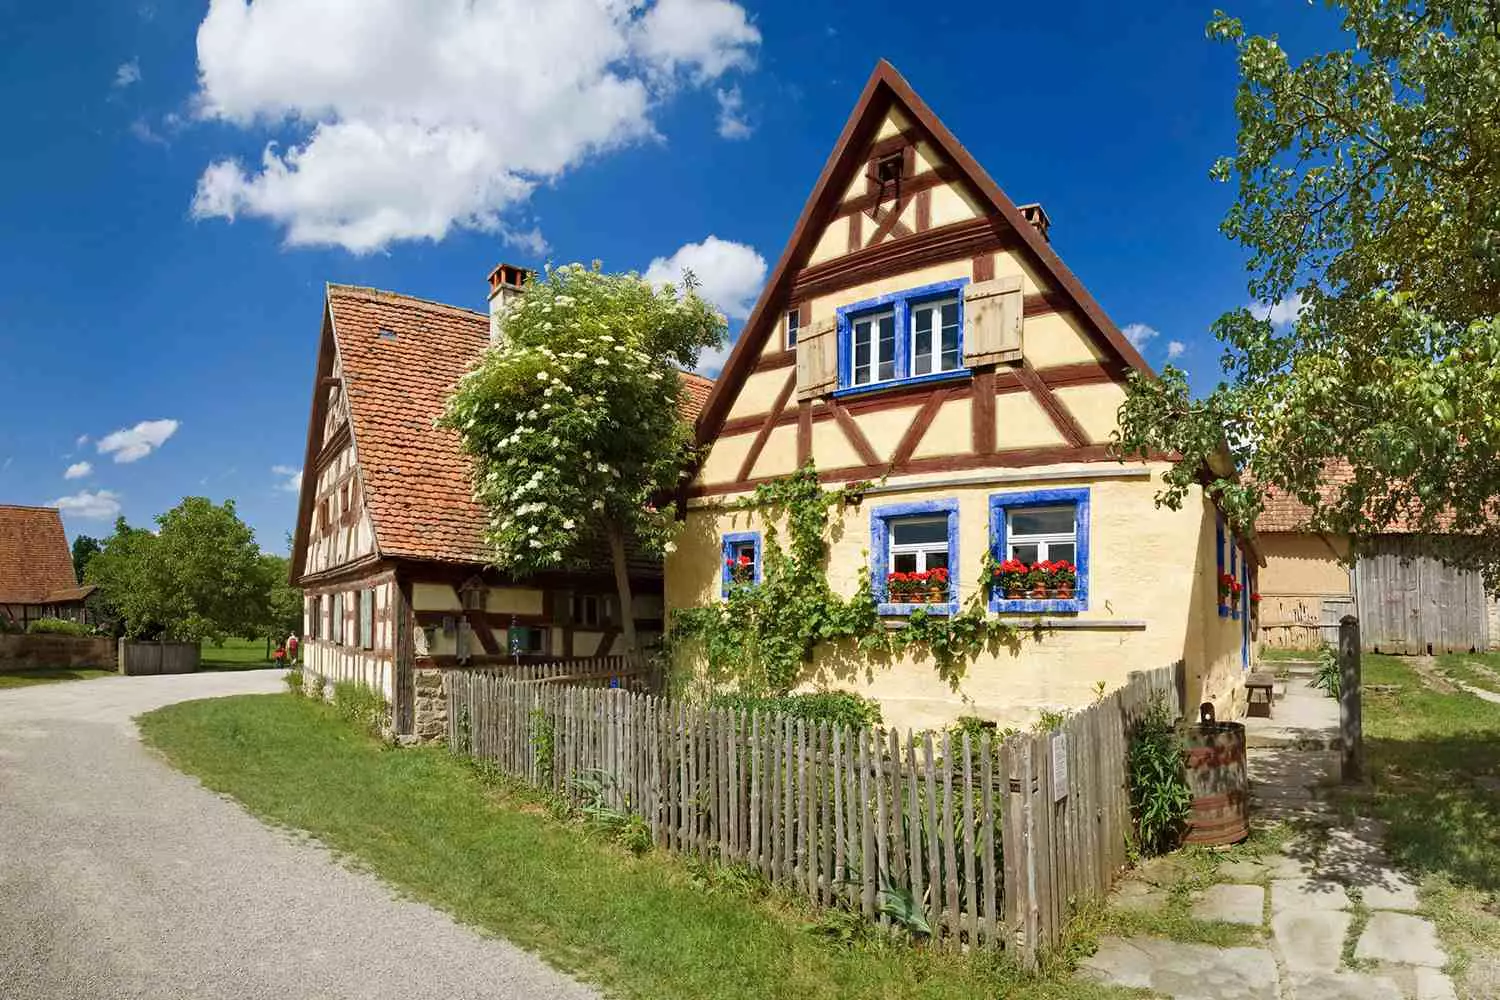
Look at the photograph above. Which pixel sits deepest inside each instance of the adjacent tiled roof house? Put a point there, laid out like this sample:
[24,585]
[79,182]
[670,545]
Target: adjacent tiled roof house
[36,567]
[388,531]
[1406,599]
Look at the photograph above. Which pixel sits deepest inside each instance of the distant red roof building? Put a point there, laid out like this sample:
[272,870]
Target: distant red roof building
[36,565]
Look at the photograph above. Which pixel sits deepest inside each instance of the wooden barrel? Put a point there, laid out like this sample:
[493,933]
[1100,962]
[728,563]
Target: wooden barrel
[1216,775]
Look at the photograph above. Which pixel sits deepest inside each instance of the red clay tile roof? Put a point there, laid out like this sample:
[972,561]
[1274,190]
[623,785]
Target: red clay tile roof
[1284,512]
[416,476]
[36,565]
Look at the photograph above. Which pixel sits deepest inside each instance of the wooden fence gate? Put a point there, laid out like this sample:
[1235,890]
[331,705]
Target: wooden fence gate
[1410,602]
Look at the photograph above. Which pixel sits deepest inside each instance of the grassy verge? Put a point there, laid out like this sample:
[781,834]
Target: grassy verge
[49,675]
[1434,762]
[235,654]
[493,856]
[1273,655]
[1482,670]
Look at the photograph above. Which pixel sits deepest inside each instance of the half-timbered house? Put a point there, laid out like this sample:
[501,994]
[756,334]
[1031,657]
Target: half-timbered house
[36,568]
[389,545]
[919,331]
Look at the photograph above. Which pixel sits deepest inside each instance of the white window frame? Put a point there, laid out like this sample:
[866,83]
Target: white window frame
[871,322]
[921,549]
[935,307]
[1044,540]
[791,327]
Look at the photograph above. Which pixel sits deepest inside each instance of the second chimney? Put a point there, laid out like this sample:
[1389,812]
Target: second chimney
[507,284]
[1037,216]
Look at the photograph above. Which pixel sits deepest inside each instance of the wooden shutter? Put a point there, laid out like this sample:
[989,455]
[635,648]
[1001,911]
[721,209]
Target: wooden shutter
[817,359]
[992,321]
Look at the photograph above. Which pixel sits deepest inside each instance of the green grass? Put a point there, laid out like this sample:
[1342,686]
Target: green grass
[494,857]
[1268,654]
[1434,763]
[49,675]
[235,654]
[1482,670]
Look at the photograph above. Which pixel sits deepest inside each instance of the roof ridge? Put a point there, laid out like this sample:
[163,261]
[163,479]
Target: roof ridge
[416,300]
[29,506]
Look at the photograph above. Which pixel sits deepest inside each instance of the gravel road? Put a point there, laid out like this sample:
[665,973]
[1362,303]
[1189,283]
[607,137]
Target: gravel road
[121,878]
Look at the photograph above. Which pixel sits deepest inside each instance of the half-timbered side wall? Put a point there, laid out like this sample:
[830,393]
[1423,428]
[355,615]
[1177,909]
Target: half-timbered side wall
[349,633]
[340,531]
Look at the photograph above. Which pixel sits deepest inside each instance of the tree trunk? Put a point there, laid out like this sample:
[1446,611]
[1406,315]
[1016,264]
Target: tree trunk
[622,583]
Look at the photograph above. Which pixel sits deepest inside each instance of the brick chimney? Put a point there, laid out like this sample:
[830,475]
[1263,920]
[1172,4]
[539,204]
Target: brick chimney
[1037,216]
[507,284]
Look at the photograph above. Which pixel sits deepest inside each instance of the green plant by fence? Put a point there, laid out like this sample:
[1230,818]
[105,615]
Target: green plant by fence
[961,838]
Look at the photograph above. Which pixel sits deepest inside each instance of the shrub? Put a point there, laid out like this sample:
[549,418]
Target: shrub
[293,679]
[57,626]
[975,727]
[8,627]
[840,708]
[360,705]
[1159,794]
[1329,678]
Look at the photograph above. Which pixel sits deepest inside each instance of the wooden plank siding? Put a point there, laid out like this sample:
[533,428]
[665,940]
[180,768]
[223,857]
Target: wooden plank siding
[1410,602]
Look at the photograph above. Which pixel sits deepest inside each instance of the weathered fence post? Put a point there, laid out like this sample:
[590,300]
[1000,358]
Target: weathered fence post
[1351,720]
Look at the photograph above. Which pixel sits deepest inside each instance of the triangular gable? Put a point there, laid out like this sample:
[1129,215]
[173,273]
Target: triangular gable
[886,107]
[316,422]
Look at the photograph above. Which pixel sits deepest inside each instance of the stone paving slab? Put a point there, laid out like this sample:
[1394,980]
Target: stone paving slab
[1342,986]
[1433,985]
[1138,897]
[1311,940]
[1272,866]
[1184,971]
[1231,904]
[1388,889]
[1297,895]
[1399,937]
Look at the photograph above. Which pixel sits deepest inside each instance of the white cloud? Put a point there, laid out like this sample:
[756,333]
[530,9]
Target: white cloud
[1175,349]
[732,123]
[1139,334]
[100,506]
[78,470]
[729,274]
[1282,314]
[83,439]
[128,73]
[291,478]
[441,114]
[133,443]
[142,130]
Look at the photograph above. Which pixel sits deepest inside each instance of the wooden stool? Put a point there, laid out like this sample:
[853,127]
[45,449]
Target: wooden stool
[1266,684]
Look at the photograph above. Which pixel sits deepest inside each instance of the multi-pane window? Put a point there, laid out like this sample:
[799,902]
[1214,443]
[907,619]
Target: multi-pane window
[934,337]
[741,554]
[526,640]
[1043,534]
[336,626]
[918,544]
[315,617]
[588,609]
[366,619]
[793,320]
[874,341]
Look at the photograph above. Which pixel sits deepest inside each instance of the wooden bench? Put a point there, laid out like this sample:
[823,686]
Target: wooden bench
[1266,685]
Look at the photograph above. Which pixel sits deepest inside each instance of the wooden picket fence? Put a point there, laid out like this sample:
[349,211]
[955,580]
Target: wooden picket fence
[988,843]
[632,672]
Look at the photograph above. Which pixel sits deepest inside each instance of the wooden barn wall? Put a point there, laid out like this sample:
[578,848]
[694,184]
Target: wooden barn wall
[1409,602]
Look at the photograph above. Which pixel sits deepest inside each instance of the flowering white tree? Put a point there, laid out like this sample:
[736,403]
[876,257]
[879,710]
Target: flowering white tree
[573,420]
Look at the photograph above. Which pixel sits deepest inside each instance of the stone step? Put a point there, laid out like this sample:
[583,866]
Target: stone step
[1293,740]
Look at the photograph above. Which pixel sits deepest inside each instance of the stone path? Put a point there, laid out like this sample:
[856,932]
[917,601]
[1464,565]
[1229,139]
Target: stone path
[1336,921]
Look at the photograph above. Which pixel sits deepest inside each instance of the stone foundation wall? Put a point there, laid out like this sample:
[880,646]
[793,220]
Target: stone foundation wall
[431,717]
[66,652]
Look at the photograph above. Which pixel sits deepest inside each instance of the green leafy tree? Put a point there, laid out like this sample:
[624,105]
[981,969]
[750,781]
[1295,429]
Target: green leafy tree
[574,424]
[1369,204]
[200,576]
[85,547]
[283,601]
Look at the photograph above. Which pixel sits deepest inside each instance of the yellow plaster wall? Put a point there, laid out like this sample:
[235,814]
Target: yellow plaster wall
[1056,339]
[1301,563]
[1010,263]
[1095,407]
[831,448]
[951,431]
[434,597]
[779,456]
[828,305]
[1147,564]
[722,465]
[950,205]
[758,394]
[1020,422]
[514,600]
[834,240]
[885,428]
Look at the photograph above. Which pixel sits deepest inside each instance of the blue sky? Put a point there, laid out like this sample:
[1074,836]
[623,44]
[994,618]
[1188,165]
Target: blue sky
[161,294]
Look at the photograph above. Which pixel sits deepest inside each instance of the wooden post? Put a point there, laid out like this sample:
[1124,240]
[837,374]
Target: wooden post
[1351,720]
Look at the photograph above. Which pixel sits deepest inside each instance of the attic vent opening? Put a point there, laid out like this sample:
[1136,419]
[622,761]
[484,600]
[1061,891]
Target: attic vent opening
[385,334]
[888,168]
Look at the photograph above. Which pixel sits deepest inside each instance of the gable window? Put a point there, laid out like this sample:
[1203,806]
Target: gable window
[909,336]
[741,555]
[1042,527]
[793,321]
[914,557]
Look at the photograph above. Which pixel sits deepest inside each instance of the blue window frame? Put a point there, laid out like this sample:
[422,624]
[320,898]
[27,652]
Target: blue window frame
[885,529]
[1219,556]
[732,547]
[1234,571]
[916,335]
[1002,505]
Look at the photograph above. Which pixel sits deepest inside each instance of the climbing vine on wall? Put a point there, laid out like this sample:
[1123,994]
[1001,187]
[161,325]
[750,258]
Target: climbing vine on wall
[762,635]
